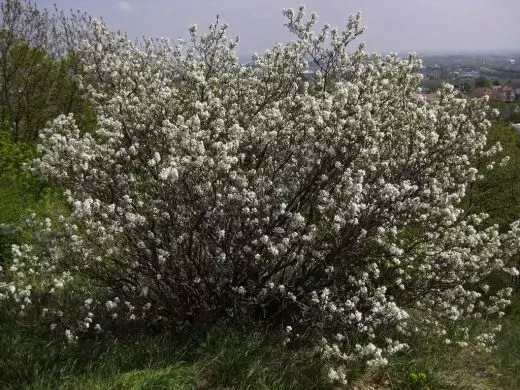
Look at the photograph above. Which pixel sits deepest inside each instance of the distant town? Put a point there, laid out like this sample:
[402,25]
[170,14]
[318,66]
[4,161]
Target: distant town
[474,75]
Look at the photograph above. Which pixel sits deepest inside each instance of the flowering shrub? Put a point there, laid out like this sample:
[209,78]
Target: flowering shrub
[328,203]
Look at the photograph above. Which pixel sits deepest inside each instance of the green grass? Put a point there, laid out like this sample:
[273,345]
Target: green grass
[174,377]
[435,366]
[229,358]
[507,355]
[216,358]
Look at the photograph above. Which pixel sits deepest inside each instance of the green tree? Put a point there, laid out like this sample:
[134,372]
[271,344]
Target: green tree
[483,81]
[38,65]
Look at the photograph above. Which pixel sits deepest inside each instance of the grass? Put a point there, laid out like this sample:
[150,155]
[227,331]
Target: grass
[226,358]
[216,358]
[174,377]
[508,351]
[434,366]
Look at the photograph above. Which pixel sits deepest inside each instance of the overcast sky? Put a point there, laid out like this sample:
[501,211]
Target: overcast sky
[392,25]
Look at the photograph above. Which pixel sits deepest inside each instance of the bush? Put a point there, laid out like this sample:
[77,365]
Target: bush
[331,207]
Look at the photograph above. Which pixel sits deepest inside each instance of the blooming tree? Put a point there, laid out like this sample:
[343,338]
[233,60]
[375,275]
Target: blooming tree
[212,190]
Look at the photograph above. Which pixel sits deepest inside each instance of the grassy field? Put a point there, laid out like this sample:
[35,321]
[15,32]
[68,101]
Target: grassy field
[232,358]
[218,358]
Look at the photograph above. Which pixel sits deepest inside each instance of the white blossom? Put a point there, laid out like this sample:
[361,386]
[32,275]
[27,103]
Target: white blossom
[207,182]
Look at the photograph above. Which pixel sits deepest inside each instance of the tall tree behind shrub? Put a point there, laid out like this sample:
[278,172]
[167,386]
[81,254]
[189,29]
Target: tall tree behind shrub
[38,66]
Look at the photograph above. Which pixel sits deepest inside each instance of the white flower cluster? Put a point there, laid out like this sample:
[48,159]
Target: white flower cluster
[207,181]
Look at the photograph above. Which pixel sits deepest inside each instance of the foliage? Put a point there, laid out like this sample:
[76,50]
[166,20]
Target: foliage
[509,112]
[498,193]
[13,155]
[39,67]
[16,188]
[508,350]
[431,85]
[37,77]
[209,190]
[21,193]
[483,81]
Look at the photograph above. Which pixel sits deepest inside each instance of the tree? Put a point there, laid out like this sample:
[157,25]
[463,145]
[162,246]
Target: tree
[38,67]
[213,191]
[22,36]
[483,81]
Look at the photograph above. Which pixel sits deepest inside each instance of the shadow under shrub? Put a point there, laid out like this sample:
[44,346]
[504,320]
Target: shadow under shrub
[214,357]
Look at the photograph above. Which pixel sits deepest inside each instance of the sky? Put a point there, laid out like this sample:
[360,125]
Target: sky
[424,26]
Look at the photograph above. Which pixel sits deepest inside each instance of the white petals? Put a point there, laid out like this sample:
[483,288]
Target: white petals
[169,173]
[335,194]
